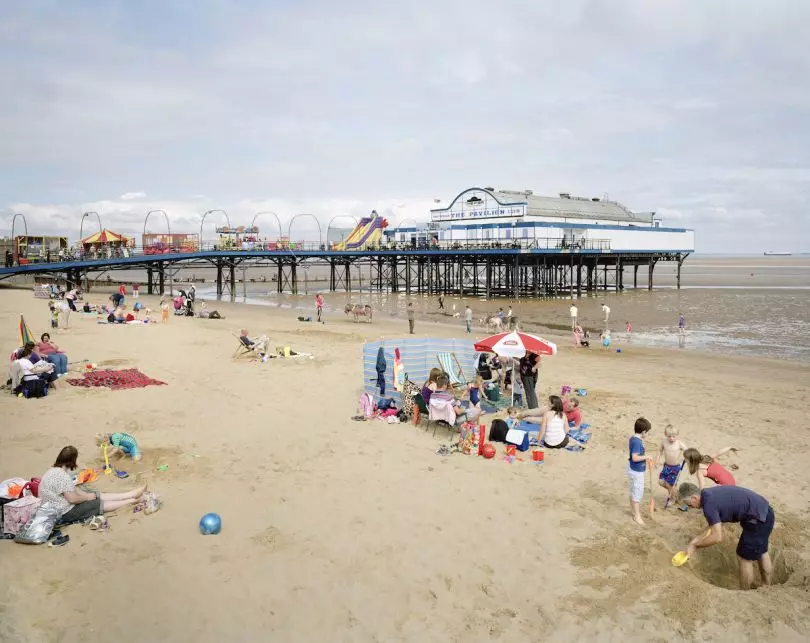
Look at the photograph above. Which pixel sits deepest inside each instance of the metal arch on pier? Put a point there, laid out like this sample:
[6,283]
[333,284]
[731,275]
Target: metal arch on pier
[14,220]
[278,221]
[81,224]
[207,212]
[306,214]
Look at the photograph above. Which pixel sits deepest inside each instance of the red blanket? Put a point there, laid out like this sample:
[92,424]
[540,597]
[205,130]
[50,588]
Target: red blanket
[126,378]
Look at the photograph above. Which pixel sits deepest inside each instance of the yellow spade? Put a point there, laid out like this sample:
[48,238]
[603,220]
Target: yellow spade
[679,559]
[107,468]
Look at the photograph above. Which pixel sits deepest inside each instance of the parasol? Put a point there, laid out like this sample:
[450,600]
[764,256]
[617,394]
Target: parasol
[516,345]
[25,332]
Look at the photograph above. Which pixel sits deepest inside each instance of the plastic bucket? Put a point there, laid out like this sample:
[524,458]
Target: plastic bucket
[538,456]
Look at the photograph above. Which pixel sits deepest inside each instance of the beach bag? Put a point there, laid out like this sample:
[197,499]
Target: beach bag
[519,438]
[367,405]
[498,430]
[37,530]
[34,387]
[17,513]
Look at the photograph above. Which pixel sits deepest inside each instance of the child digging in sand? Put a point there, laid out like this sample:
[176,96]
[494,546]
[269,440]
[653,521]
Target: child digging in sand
[122,443]
[637,466]
[706,466]
[672,450]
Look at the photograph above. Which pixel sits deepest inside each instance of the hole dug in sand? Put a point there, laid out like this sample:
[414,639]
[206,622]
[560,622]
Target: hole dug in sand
[718,565]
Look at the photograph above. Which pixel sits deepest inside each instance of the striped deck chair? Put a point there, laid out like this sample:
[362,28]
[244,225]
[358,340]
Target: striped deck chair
[450,365]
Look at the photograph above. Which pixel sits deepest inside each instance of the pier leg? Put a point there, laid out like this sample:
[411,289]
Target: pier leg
[332,276]
[579,278]
[650,275]
[149,281]
[161,279]
[619,273]
[635,276]
[280,277]
[294,277]
[489,275]
[219,278]
[407,274]
[516,279]
[678,278]
[604,277]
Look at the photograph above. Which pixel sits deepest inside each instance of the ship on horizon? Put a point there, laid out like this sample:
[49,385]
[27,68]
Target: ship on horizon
[773,253]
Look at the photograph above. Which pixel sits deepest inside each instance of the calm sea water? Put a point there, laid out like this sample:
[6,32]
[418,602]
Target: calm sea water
[747,305]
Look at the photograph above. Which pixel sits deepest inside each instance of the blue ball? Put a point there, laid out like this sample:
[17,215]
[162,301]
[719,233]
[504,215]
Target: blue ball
[210,524]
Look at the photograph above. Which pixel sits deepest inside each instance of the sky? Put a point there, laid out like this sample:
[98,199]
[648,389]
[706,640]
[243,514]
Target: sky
[696,109]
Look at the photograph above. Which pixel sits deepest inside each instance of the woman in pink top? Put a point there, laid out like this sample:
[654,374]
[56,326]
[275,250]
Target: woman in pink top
[706,466]
[50,352]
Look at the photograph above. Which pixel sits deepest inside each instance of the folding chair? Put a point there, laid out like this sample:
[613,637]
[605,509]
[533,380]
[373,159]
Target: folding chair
[450,365]
[243,349]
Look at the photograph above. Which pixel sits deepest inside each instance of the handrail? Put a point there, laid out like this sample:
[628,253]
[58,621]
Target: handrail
[550,243]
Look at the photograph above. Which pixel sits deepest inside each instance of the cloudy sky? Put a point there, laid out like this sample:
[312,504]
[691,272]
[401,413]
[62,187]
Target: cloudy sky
[698,109]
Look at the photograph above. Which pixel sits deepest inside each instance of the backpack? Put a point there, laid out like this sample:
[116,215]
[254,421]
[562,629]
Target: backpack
[367,405]
[34,387]
[498,430]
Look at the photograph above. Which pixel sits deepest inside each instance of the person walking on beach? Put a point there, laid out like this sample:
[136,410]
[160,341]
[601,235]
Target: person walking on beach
[681,324]
[574,311]
[606,311]
[509,319]
[411,317]
[319,305]
[136,290]
[441,302]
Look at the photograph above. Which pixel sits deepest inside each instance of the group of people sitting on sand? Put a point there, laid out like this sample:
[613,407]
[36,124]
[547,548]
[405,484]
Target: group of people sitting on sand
[36,366]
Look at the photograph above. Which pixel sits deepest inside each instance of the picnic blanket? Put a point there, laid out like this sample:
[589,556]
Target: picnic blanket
[116,380]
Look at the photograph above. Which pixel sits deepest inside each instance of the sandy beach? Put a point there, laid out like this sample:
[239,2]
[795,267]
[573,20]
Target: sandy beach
[335,530]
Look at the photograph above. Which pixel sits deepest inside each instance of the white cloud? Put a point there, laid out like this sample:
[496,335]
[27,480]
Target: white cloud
[131,196]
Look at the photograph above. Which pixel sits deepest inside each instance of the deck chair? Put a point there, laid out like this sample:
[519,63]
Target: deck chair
[437,417]
[243,350]
[450,365]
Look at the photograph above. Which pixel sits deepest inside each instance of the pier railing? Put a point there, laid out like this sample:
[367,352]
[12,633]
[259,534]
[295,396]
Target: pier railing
[551,243]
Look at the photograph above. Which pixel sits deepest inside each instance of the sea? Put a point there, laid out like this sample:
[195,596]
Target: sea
[740,305]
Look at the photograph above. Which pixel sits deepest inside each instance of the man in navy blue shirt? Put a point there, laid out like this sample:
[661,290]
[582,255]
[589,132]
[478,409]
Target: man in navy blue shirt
[735,504]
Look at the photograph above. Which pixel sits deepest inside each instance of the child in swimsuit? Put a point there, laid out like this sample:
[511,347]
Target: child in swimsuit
[512,420]
[706,466]
[121,443]
[672,450]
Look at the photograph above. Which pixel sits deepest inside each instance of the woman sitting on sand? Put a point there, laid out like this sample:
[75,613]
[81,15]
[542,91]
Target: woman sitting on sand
[50,353]
[552,429]
[75,505]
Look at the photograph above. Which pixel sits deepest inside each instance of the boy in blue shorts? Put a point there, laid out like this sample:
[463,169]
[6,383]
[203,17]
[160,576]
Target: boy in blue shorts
[637,466]
[121,443]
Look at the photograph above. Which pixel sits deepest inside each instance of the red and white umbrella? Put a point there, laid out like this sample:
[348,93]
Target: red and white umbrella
[516,344]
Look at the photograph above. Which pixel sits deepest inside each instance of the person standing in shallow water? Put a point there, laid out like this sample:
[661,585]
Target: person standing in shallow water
[411,317]
[319,305]
[441,302]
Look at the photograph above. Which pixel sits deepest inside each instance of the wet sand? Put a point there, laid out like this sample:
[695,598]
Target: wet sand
[340,530]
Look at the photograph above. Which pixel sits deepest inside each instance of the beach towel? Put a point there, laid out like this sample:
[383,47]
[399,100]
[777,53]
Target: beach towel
[115,380]
[380,366]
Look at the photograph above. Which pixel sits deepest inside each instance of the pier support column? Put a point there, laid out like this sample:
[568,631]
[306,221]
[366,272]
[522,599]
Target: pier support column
[232,278]
[294,277]
[635,276]
[619,275]
[489,276]
[407,274]
[347,276]
[161,279]
[149,281]
[219,278]
[650,274]
[579,278]
[678,277]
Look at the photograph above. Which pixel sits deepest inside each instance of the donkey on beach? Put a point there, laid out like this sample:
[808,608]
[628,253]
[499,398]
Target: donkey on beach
[359,310]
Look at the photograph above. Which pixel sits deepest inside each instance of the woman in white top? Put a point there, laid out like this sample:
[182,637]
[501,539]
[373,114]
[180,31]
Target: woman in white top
[553,428]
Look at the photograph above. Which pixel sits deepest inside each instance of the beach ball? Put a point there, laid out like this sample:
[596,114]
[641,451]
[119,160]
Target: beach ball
[488,451]
[618,350]
[210,524]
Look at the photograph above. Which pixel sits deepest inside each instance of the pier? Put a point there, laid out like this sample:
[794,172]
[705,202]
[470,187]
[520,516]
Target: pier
[516,270]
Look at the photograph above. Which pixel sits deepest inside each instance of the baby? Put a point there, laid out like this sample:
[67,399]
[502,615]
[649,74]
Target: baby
[672,451]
